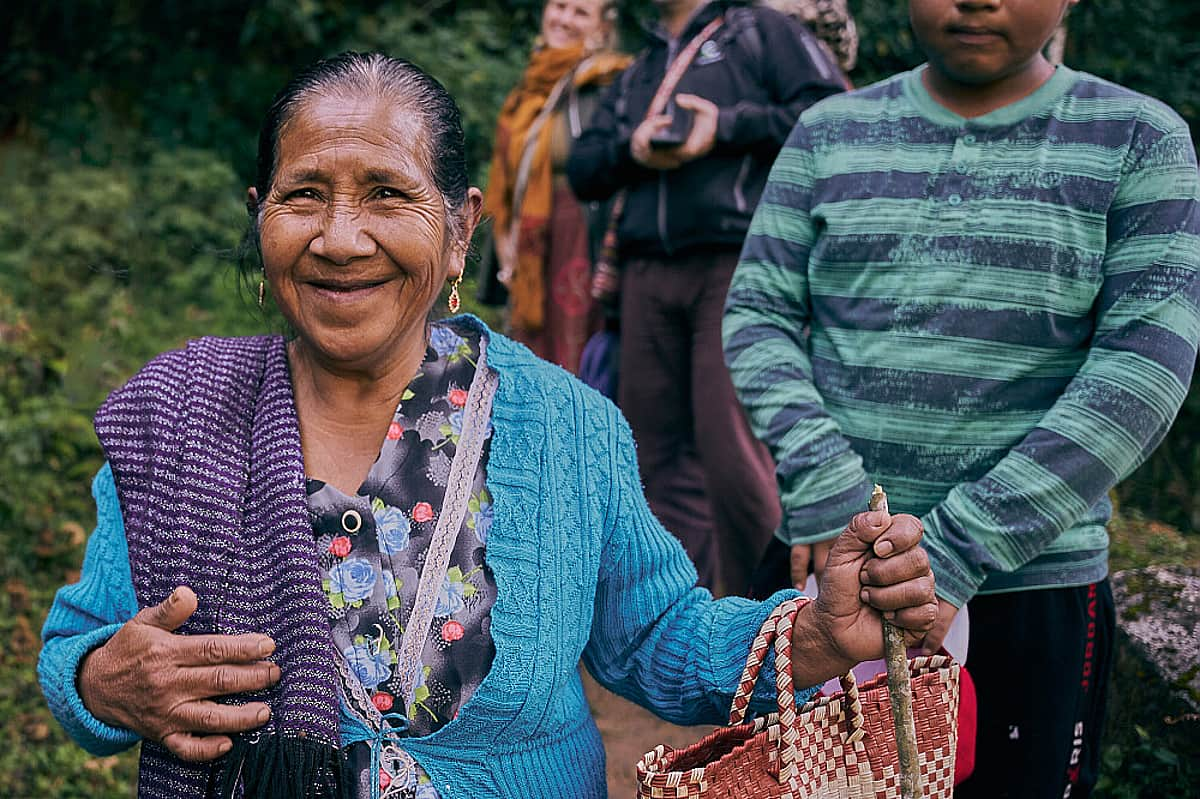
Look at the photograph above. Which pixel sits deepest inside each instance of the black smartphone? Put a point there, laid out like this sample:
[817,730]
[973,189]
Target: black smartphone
[677,133]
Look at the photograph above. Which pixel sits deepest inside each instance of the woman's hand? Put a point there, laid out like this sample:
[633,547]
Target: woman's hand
[506,254]
[937,633]
[875,569]
[160,685]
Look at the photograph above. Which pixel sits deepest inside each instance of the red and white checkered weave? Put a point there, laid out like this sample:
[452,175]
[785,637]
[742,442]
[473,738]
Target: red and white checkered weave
[841,746]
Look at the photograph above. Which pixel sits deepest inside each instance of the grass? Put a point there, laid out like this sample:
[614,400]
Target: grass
[1137,542]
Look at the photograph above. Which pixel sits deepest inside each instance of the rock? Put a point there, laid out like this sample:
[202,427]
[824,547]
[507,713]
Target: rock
[1156,671]
[1158,612]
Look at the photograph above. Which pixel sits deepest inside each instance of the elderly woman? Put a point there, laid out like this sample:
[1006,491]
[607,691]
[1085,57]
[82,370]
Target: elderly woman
[541,232]
[369,559]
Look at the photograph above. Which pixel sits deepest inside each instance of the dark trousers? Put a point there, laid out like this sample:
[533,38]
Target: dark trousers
[1041,661]
[708,480]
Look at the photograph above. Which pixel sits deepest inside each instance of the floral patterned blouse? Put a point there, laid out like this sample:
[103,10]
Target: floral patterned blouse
[374,545]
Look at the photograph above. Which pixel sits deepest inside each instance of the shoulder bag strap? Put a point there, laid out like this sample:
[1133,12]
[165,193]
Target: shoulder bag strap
[679,66]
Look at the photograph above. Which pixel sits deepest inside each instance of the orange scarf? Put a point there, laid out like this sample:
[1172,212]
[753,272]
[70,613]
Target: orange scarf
[527,291]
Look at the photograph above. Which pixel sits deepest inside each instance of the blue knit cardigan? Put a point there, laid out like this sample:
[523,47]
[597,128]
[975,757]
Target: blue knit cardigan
[583,571]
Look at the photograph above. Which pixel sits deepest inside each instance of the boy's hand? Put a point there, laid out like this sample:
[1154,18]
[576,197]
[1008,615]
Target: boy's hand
[804,555]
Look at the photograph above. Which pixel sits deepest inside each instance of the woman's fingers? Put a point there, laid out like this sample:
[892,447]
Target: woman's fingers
[211,650]
[898,581]
[907,565]
[876,566]
[908,594]
[913,639]
[901,535]
[916,621]
[867,526]
[230,678]
[213,717]
[933,638]
[156,682]
[197,748]
[171,613]
[854,543]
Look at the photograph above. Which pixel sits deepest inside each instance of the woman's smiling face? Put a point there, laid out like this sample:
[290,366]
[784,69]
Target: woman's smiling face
[566,23]
[355,238]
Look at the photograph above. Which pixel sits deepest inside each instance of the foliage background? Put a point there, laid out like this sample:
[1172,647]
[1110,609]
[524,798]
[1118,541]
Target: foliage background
[127,130]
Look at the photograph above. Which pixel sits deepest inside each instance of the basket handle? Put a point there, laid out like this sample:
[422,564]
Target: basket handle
[777,630]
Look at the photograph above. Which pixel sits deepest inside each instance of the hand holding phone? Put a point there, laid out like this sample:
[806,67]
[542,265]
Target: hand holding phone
[685,131]
[677,133]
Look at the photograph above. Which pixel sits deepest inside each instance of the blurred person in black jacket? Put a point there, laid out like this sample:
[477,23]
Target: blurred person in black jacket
[692,177]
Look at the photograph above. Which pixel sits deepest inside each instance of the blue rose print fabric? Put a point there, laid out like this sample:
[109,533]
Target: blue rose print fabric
[374,546]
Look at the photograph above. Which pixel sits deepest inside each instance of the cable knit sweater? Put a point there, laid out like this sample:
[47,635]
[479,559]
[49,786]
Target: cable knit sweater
[583,570]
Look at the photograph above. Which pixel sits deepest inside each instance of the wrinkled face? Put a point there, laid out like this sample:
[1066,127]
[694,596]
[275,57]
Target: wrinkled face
[982,41]
[567,23]
[354,231]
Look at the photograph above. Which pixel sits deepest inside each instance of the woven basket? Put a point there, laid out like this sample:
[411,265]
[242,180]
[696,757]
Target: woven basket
[836,746]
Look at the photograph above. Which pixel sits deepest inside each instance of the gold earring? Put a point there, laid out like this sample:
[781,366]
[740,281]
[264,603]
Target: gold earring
[453,302]
[262,291]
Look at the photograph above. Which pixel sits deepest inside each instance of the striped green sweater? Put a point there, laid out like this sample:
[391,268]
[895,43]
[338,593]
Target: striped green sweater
[995,318]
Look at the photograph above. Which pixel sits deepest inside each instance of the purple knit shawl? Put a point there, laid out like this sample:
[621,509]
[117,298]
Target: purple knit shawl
[205,451]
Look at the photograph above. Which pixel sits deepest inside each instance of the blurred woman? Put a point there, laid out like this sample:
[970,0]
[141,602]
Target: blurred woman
[540,230]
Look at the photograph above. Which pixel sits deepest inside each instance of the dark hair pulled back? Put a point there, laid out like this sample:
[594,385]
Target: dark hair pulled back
[371,75]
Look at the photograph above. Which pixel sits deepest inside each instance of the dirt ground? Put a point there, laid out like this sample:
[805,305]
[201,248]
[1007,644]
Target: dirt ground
[629,732]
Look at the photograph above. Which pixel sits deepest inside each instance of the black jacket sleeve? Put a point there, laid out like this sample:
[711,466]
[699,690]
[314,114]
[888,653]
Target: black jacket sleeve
[600,162]
[795,71]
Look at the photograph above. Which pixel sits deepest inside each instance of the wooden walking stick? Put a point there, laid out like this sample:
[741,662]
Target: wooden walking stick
[900,690]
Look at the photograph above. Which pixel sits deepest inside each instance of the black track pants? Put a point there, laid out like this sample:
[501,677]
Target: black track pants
[1041,661]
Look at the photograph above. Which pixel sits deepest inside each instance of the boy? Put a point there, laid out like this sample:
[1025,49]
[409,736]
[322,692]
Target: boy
[997,265]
